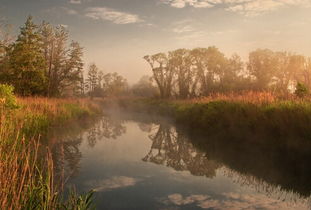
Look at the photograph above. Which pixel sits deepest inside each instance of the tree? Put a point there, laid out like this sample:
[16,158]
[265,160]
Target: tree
[162,73]
[262,67]
[27,61]
[72,77]
[92,77]
[210,65]
[5,48]
[114,84]
[144,87]
[64,61]
[180,63]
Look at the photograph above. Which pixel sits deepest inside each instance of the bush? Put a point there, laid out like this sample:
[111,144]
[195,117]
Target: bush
[301,90]
[7,98]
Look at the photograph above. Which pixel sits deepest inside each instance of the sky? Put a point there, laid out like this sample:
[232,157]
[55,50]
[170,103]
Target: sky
[116,34]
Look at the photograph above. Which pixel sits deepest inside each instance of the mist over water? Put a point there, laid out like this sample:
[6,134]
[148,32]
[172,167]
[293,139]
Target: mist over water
[135,161]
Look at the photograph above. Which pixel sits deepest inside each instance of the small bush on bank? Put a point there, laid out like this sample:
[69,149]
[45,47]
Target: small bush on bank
[301,90]
[7,98]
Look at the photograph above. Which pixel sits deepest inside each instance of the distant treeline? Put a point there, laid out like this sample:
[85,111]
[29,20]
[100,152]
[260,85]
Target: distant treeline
[185,73]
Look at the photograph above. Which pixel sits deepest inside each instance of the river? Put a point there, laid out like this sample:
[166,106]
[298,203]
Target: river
[134,161]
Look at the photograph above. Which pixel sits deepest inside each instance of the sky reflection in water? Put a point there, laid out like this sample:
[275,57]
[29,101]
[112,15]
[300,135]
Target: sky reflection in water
[143,165]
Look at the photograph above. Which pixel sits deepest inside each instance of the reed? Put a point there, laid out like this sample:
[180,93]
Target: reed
[286,117]
[26,166]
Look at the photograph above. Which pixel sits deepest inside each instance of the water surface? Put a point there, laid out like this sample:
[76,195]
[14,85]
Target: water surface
[136,162]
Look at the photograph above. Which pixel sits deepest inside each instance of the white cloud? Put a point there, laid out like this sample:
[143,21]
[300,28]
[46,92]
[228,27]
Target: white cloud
[117,17]
[57,11]
[75,1]
[184,3]
[244,7]
[183,29]
[69,11]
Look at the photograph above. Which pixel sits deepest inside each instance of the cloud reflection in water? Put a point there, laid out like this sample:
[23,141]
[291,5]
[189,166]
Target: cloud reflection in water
[233,201]
[112,183]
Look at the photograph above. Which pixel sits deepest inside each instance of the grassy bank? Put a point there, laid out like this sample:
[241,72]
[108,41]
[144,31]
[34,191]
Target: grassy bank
[253,114]
[26,166]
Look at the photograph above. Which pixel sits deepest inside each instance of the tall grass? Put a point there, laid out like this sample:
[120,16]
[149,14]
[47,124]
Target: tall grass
[26,166]
[253,113]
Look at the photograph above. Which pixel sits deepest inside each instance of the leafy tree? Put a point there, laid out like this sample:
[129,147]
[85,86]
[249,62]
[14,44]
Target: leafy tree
[64,61]
[262,67]
[27,61]
[114,84]
[180,63]
[73,75]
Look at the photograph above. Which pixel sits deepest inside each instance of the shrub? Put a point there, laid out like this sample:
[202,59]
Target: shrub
[301,90]
[7,98]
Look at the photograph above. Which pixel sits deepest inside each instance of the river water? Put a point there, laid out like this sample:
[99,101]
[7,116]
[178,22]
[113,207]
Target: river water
[142,162]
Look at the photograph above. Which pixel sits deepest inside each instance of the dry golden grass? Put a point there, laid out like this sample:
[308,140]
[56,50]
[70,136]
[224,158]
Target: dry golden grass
[253,97]
[26,167]
[22,183]
[53,106]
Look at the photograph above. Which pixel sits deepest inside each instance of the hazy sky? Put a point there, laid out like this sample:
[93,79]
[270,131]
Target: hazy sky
[116,34]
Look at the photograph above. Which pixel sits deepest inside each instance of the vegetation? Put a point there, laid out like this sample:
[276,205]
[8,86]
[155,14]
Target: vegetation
[23,157]
[105,85]
[200,72]
[301,90]
[41,62]
[251,112]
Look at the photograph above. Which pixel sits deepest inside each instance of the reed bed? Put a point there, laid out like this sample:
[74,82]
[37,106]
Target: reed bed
[26,166]
[252,97]
[287,118]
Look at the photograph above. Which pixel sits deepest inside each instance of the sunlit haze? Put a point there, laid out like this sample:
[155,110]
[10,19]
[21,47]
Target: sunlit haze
[116,34]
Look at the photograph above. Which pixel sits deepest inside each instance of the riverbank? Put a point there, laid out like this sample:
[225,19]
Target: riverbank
[26,167]
[256,116]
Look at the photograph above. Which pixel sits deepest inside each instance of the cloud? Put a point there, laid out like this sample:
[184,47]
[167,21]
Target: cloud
[69,11]
[112,183]
[58,11]
[184,3]
[75,1]
[64,25]
[244,7]
[235,201]
[183,29]
[117,17]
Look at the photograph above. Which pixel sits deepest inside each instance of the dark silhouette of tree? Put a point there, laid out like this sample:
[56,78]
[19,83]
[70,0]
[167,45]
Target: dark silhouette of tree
[162,73]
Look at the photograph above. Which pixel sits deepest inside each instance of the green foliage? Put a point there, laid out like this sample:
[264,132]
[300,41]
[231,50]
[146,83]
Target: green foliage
[301,90]
[27,62]
[82,202]
[7,98]
[286,118]
[41,61]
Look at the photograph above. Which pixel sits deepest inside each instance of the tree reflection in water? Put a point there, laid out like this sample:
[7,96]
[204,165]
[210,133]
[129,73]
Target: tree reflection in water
[275,170]
[171,149]
[271,169]
[65,148]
